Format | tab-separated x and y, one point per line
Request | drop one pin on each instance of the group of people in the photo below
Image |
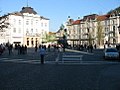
85	47
20	48
2	48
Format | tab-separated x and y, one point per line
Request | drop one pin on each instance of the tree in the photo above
49	37
3	22
62	27
116	10
99	33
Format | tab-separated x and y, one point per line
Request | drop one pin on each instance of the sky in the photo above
58	10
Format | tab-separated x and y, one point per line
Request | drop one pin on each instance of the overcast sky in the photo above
58	10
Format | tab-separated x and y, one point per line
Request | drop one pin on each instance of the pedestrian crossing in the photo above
17	60
25	61
87	62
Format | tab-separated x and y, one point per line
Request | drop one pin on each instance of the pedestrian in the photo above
42	54
95	46
18	48
36	48
49	47
91	48
10	48
25	49
88	48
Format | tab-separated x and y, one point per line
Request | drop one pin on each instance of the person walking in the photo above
42	54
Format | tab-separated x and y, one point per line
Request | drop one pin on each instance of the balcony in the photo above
33	34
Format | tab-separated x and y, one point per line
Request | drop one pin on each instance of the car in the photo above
111	53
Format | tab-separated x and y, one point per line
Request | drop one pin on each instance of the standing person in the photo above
91	48
88	48
10	48
49	47
25	49
18	48
95	46
36	48
42	54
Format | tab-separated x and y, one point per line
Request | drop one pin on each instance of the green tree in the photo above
49	37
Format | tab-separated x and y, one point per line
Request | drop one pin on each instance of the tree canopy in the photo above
3	22
116	10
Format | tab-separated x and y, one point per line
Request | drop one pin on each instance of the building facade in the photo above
94	29
26	28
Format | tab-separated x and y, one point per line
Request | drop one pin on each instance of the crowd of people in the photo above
9	47
85	47
2	48
41	49
22	49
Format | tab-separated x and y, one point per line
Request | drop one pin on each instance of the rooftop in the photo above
28	10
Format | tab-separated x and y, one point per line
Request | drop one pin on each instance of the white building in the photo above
26	28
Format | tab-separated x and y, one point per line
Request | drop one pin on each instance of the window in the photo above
31	30
14	21
27	41
113	22
31	21
27	22
14	30
45	24
19	30
41	24
19	22
36	21
36	30
32	42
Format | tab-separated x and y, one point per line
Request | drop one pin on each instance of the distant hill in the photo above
116	10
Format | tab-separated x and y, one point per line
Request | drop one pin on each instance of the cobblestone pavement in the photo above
18	75
30	57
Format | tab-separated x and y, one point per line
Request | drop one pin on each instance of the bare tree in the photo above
3	22
99	33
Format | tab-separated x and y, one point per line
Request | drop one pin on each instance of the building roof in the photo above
102	17
44	18
90	17
76	22
28	10
15	13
